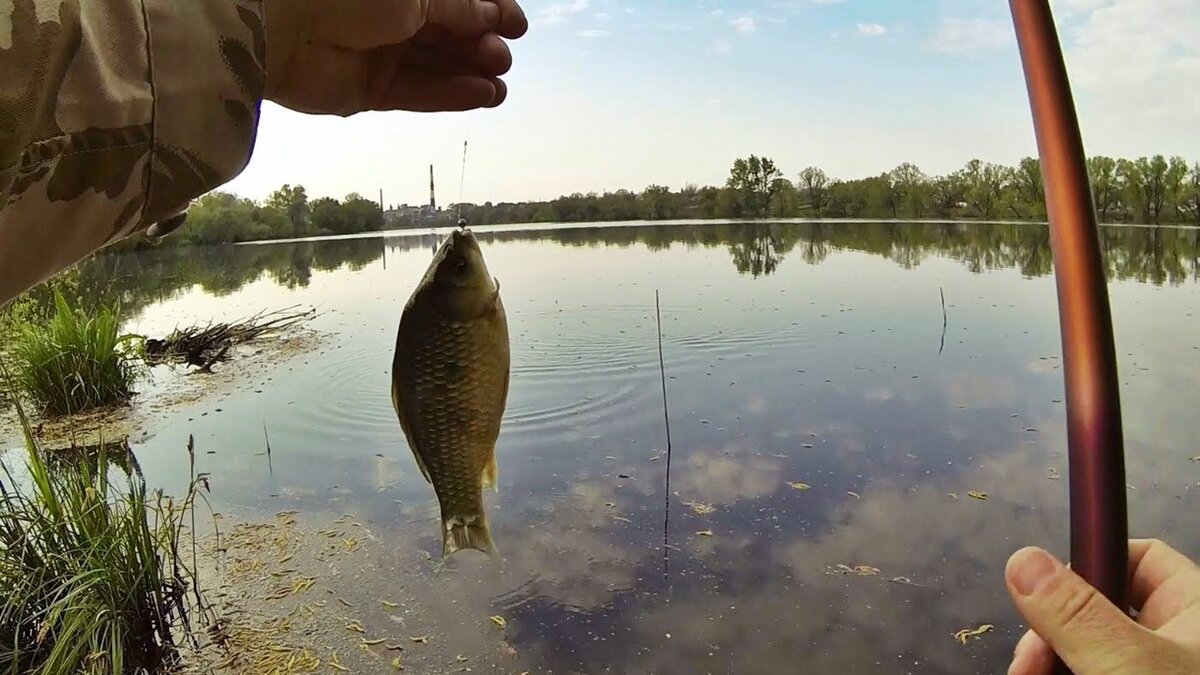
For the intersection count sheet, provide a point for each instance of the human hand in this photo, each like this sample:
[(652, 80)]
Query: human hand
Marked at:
[(1093, 637), (347, 56)]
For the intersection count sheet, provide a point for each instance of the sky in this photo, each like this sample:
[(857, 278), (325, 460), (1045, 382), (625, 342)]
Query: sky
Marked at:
[(611, 94)]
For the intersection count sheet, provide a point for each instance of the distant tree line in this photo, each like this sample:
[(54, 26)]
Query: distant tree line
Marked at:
[(286, 214), (1150, 190)]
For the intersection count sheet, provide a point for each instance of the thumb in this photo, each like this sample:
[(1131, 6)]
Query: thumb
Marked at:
[(1087, 631)]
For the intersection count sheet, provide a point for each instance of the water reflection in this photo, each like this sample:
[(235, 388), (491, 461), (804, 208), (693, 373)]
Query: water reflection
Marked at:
[(813, 359), (1158, 255)]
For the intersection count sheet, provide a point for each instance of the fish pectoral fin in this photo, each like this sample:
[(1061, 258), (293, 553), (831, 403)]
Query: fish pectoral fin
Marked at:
[(460, 532), (489, 474), (494, 301)]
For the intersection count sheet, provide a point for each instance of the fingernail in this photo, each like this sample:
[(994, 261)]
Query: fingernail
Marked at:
[(1029, 568)]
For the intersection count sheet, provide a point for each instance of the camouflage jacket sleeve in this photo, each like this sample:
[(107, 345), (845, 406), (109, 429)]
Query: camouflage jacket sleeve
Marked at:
[(114, 115)]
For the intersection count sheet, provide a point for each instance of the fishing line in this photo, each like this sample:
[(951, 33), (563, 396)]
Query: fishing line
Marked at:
[(461, 181)]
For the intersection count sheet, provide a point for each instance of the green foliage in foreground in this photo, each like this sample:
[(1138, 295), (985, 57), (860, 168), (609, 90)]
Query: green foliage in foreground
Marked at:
[(92, 577), (77, 360)]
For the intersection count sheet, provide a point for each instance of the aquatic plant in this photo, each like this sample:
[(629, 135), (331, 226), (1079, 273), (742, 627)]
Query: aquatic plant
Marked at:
[(75, 361), (94, 580)]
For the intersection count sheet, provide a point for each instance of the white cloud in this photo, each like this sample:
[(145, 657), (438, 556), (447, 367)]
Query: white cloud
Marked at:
[(1132, 41), (592, 33), (872, 29), (745, 24), (602, 16), (965, 36), (676, 27), (1139, 63), (556, 13), (777, 20), (717, 12)]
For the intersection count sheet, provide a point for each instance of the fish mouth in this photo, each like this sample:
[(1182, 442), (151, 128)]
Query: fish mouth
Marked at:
[(463, 240)]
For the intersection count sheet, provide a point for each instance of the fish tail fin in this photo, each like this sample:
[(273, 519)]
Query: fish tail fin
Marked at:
[(490, 473), (467, 532)]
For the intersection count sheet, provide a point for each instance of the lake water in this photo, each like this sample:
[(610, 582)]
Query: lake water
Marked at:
[(794, 353)]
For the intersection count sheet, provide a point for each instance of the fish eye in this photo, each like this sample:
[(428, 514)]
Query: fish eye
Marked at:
[(460, 265)]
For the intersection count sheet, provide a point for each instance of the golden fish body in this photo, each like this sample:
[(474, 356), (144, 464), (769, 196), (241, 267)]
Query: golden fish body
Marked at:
[(450, 378)]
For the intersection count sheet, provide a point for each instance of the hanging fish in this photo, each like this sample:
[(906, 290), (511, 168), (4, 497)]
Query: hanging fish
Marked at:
[(450, 377)]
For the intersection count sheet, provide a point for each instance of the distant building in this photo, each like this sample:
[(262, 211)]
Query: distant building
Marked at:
[(414, 216)]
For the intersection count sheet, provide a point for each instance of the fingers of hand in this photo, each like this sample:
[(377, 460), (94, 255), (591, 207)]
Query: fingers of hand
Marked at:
[(1032, 656), (421, 92), (1070, 615), (435, 49), (1163, 581), (513, 23), (475, 17)]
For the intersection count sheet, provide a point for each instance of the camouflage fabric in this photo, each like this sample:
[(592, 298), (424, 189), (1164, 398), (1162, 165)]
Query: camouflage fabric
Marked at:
[(114, 115)]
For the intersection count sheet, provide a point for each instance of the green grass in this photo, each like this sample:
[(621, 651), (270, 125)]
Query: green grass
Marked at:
[(92, 576), (75, 360)]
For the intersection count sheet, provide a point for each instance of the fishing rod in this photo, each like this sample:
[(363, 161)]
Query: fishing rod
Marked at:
[(1099, 522)]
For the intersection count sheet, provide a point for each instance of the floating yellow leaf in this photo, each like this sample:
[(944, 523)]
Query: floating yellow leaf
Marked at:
[(705, 533), (420, 639), (460, 658), (966, 633), (388, 603), (499, 621), (396, 664), (370, 643), (854, 494), (952, 495), (700, 508), (976, 494), (345, 602), (355, 626), (799, 486)]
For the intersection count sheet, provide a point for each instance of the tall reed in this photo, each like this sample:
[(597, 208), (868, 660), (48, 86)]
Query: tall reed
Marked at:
[(94, 580), (76, 361)]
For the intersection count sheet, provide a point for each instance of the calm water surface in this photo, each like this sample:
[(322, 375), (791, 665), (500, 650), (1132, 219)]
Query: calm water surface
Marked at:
[(795, 353)]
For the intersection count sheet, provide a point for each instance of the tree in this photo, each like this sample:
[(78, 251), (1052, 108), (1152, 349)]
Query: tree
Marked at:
[(753, 182), (292, 202), (909, 184), (1177, 172), (1190, 202), (327, 216), (658, 203), (1105, 186), (949, 193), (814, 184), (985, 185), (1030, 193), (882, 197), (785, 199), (1130, 177), (1154, 180)]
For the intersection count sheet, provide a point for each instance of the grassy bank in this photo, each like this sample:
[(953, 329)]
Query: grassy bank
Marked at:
[(74, 359), (96, 573)]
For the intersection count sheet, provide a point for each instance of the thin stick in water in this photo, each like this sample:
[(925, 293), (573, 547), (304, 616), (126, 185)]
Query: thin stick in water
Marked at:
[(270, 468), (944, 320), (662, 370)]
